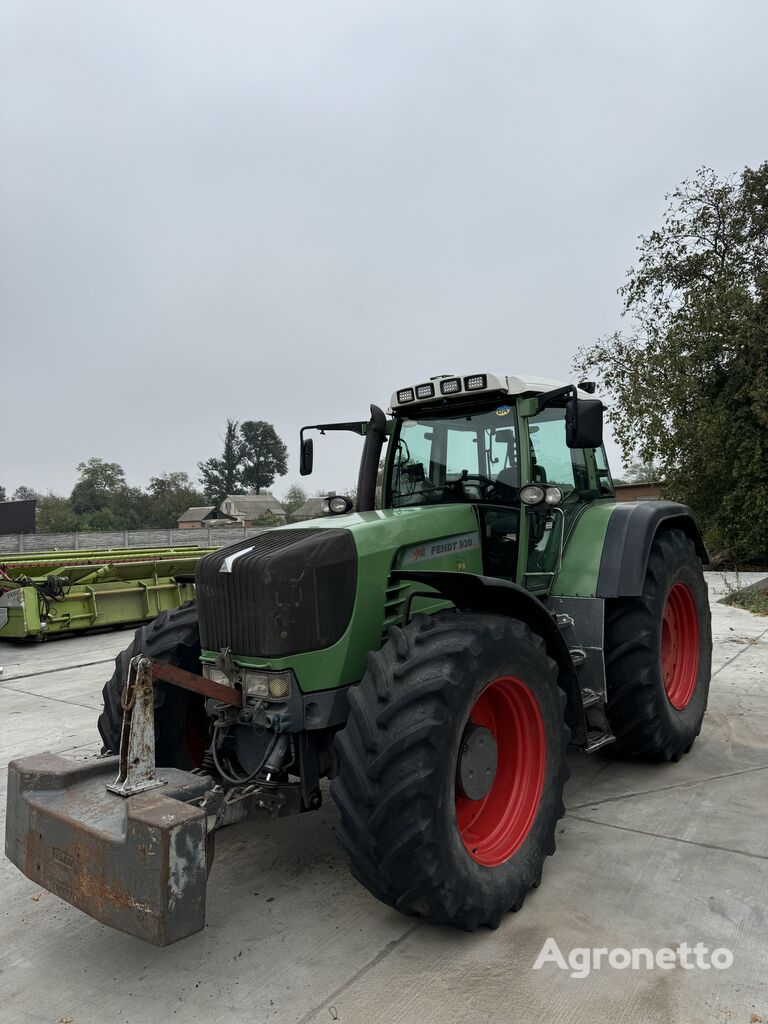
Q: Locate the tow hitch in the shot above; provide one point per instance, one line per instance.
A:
(120, 839)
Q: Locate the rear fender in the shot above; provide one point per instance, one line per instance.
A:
(628, 539)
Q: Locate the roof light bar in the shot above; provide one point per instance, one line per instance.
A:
(448, 386)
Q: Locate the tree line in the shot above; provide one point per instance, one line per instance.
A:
(102, 499)
(253, 456)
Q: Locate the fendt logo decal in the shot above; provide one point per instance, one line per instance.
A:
(440, 548)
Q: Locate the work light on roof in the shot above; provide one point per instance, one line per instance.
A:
(475, 382)
(406, 395)
(450, 386)
(425, 391)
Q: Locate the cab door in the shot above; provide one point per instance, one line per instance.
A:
(548, 461)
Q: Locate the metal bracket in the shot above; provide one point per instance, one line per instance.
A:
(254, 800)
(137, 739)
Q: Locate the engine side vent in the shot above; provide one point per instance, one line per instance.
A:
(394, 605)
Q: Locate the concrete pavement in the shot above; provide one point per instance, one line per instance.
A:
(647, 856)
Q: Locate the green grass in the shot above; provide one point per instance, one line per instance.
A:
(752, 599)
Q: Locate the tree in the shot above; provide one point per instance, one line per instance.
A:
(170, 494)
(267, 519)
(641, 473)
(264, 454)
(128, 508)
(224, 476)
(24, 493)
(99, 481)
(55, 515)
(690, 378)
(2, 493)
(294, 499)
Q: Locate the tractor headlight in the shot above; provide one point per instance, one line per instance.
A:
(279, 686)
(254, 682)
(553, 496)
(338, 504)
(532, 494)
(267, 685)
(216, 675)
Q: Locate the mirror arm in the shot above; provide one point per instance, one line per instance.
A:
(551, 397)
(356, 428)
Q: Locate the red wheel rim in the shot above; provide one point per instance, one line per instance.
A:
(494, 827)
(680, 646)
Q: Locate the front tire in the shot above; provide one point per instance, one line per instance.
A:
(451, 768)
(181, 724)
(658, 656)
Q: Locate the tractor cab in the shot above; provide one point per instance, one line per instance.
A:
(526, 452)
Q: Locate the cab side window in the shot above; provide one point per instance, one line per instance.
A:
(462, 455)
(411, 475)
(552, 461)
(604, 479)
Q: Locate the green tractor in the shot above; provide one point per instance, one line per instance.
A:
(432, 653)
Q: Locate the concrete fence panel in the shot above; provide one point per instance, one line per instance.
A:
(209, 537)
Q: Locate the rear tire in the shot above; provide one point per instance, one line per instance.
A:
(658, 656)
(413, 836)
(181, 724)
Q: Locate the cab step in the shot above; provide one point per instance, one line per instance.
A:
(599, 733)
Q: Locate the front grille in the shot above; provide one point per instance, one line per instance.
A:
(289, 591)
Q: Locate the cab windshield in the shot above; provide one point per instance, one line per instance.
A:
(471, 457)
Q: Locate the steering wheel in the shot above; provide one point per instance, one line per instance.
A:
(494, 490)
(481, 483)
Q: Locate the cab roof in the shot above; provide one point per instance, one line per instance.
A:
(448, 387)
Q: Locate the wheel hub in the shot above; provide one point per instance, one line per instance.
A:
(477, 762)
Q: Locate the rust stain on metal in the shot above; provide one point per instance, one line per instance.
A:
(198, 684)
(135, 863)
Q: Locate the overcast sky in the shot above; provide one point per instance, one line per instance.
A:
(284, 211)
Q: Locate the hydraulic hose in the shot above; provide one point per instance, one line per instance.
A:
(241, 780)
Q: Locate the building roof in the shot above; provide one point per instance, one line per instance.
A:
(196, 514)
(311, 509)
(251, 506)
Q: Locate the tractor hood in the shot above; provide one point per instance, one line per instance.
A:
(316, 597)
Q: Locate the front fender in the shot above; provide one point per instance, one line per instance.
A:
(470, 591)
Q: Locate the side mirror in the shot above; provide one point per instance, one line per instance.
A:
(306, 457)
(584, 423)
